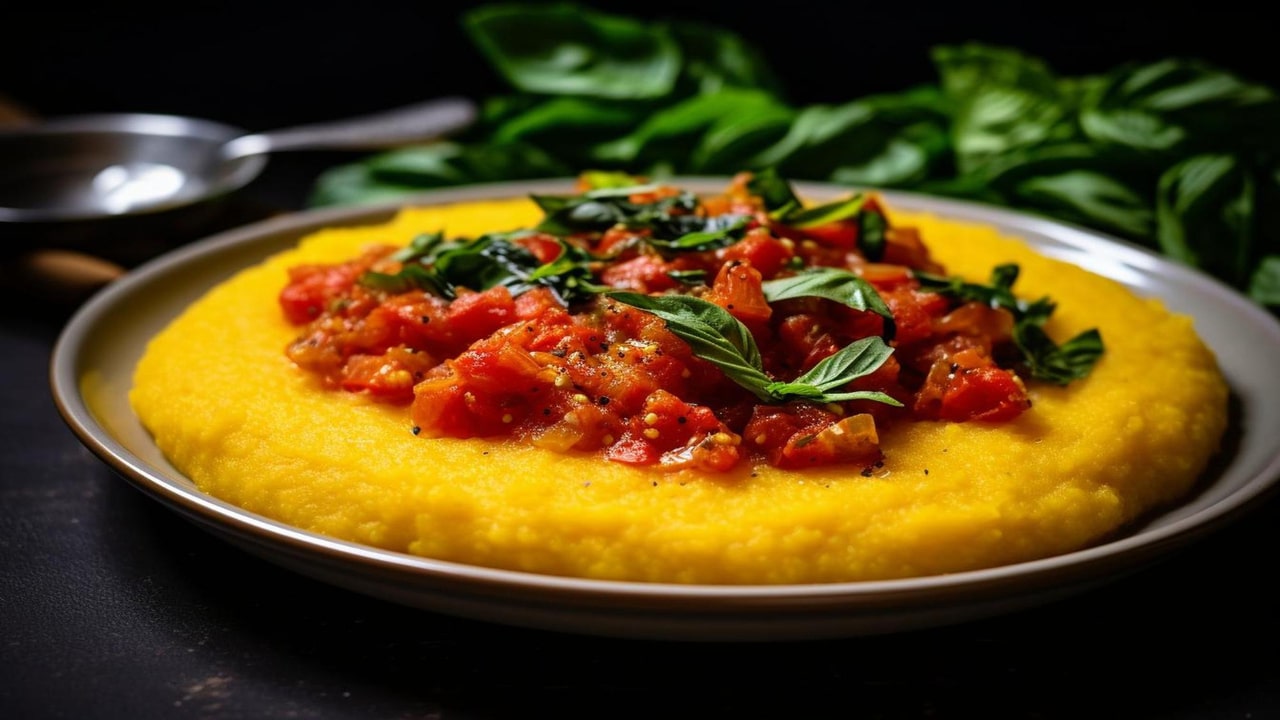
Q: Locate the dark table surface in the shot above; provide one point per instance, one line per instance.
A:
(111, 606)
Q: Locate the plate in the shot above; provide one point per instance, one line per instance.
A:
(93, 360)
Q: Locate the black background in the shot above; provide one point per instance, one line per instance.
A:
(261, 65)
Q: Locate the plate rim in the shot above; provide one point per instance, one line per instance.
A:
(641, 600)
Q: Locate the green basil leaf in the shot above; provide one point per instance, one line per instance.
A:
(721, 339)
(1264, 286)
(422, 246)
(1206, 210)
(1088, 198)
(711, 332)
(1073, 360)
(674, 133)
(1003, 100)
(841, 286)
(688, 277)
(888, 140)
(716, 58)
(411, 277)
(834, 211)
(565, 49)
(1175, 107)
(774, 190)
(857, 359)
(720, 231)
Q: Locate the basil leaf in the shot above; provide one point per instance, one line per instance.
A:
(411, 277)
(824, 214)
(564, 49)
(774, 190)
(716, 59)
(1264, 287)
(720, 231)
(688, 277)
(1073, 360)
(719, 338)
(842, 286)
(713, 334)
(420, 247)
(1206, 211)
(1003, 100)
(855, 360)
(888, 140)
(1044, 359)
(599, 210)
(873, 228)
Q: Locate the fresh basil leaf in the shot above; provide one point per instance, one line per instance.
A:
(410, 277)
(678, 132)
(1088, 198)
(716, 59)
(422, 246)
(841, 286)
(1175, 106)
(711, 332)
(719, 231)
(721, 339)
(565, 49)
(855, 360)
(600, 210)
(568, 127)
(688, 277)
(1206, 210)
(1264, 286)
(1003, 100)
(887, 140)
(774, 191)
(873, 228)
(997, 293)
(569, 275)
(730, 141)
(1046, 360)
(824, 214)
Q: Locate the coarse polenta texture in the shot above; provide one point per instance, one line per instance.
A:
(231, 412)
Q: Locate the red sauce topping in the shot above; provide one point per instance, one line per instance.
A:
(529, 338)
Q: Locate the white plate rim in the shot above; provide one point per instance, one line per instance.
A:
(694, 612)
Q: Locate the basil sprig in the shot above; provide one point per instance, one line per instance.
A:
(721, 339)
(835, 284)
(1044, 358)
(672, 222)
(441, 267)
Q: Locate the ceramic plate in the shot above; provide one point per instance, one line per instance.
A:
(93, 362)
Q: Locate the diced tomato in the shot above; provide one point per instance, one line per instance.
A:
(762, 250)
(543, 246)
(988, 394)
(312, 287)
(474, 315)
(643, 273)
(842, 234)
(737, 288)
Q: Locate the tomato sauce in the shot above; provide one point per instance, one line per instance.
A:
(533, 338)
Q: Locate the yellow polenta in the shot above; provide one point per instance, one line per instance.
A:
(231, 412)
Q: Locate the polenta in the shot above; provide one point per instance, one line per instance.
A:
(765, 392)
